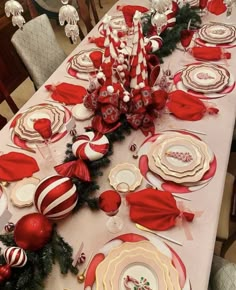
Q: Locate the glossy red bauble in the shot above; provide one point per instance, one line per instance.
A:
(32, 232)
(5, 273)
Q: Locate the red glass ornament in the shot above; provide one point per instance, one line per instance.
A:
(109, 202)
(32, 232)
(5, 273)
(186, 36)
(43, 127)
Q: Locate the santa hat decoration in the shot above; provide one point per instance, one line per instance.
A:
(129, 11)
(138, 71)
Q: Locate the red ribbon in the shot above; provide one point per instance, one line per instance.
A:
(76, 168)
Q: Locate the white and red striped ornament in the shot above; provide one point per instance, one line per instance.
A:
(55, 197)
(15, 257)
(90, 146)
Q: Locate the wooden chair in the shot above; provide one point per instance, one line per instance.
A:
(4, 95)
(3, 121)
(226, 232)
(38, 48)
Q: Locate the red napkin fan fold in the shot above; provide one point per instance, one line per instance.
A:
(68, 94)
(16, 166)
(209, 53)
(216, 7)
(188, 107)
(155, 209)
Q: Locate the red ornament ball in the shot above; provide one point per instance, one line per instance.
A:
(5, 273)
(55, 197)
(32, 232)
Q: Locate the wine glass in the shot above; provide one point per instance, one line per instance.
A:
(44, 127)
(202, 6)
(123, 189)
(109, 202)
(186, 36)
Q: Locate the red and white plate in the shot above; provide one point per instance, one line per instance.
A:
(217, 33)
(81, 66)
(31, 143)
(157, 181)
(205, 78)
(178, 82)
(135, 239)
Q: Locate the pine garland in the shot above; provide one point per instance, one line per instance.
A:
(39, 263)
(86, 189)
(171, 36)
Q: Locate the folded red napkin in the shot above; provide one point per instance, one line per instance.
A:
(68, 94)
(216, 7)
(155, 209)
(43, 127)
(188, 107)
(209, 53)
(15, 166)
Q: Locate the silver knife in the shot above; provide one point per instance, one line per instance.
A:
(142, 228)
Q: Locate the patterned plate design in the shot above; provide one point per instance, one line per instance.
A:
(205, 78)
(161, 247)
(129, 257)
(217, 33)
(25, 123)
(155, 180)
(81, 66)
(206, 95)
(175, 160)
(57, 136)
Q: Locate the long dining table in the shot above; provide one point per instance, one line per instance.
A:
(89, 226)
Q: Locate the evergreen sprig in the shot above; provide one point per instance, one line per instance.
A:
(171, 36)
(87, 189)
(39, 263)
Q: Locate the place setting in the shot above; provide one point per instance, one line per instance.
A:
(25, 135)
(216, 34)
(132, 261)
(85, 63)
(205, 80)
(176, 161)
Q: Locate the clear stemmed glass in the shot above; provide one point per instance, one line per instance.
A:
(186, 36)
(123, 189)
(109, 202)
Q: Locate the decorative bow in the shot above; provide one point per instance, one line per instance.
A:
(75, 168)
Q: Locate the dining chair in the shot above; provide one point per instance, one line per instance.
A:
(38, 48)
(5, 96)
(3, 121)
(226, 232)
(223, 274)
(51, 8)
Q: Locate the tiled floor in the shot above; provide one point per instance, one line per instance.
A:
(26, 90)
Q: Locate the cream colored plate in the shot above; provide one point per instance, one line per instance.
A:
(81, 113)
(125, 173)
(186, 177)
(120, 256)
(22, 194)
(205, 78)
